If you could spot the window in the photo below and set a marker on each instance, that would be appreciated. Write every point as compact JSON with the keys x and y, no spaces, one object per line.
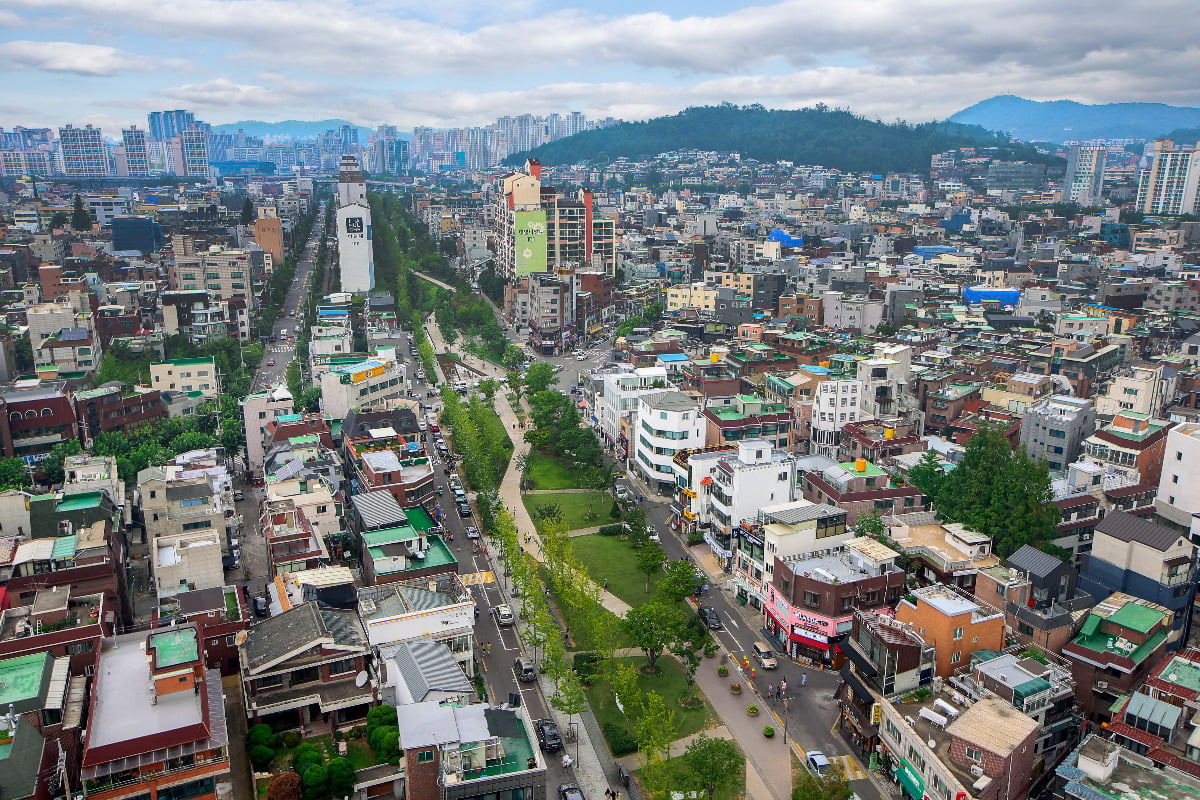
{"x":958,"y":633}
{"x":341,"y":667}
{"x":956,"y":657}
{"x":973,"y":754}
{"x":424,"y":757}
{"x":812,"y":599}
{"x":76,"y":648}
{"x":1178,"y":456}
{"x":1025,"y":629}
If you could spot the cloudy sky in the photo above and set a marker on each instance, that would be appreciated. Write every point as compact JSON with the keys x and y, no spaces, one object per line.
{"x":416,"y":62}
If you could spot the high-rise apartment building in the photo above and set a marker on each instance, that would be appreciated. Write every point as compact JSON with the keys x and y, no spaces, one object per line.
{"x":356,"y":254}
{"x":189,"y":153}
{"x":84,"y":154}
{"x":1085,"y":174}
{"x":1171,"y":184}
{"x":135,"y":156}
{"x":166,"y":125}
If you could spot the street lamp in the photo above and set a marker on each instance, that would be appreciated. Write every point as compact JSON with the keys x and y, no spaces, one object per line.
{"x":785,"y":721}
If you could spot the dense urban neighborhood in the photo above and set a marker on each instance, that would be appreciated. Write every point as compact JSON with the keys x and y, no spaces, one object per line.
{"x":491,"y":463}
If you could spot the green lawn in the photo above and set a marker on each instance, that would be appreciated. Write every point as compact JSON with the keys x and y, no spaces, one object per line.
{"x":548,"y":472}
{"x":580,"y":637}
{"x":671,"y":683}
{"x":575,"y":507}
{"x":613,"y":559}
{"x":681,"y":783}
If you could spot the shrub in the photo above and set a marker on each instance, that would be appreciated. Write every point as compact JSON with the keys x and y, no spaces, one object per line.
{"x":619,"y":742}
{"x":316,"y":782}
{"x":338,"y":736}
{"x":723,"y":671}
{"x":290,"y":739}
{"x":381,"y":715}
{"x":768,"y":731}
{"x":341,"y":776}
{"x":262,"y":735}
{"x":610,"y":530}
{"x":752,"y":708}
{"x":586,"y":665}
{"x":261,"y":757}
{"x":694,"y":538}
{"x":306,"y":756}
{"x":284,"y":786}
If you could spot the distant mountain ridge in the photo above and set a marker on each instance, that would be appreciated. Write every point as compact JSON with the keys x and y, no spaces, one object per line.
{"x":1061,"y":120}
{"x":293,"y":128}
{"x":831,"y":138}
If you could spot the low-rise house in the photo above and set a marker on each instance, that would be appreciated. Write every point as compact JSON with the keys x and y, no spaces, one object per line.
{"x":437,"y":610}
{"x":859,"y":486}
{"x":953,"y":623}
{"x":1100,"y":768}
{"x":305,"y":663}
{"x":948,"y":553}
{"x":1121,"y":640}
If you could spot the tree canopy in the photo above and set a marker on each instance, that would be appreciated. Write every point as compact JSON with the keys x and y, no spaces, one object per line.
{"x":995,"y":490}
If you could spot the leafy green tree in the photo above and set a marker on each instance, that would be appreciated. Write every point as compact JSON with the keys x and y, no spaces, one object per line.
{"x":295,"y":380}
{"x":538,"y":378}
{"x":60,"y":219}
{"x":713,"y":764}
{"x":261,"y":757}
{"x":310,"y":399}
{"x":679,"y":581}
{"x":487,"y":388}
{"x":832,"y":785}
{"x":247,"y":215}
{"x":650,"y":560}
{"x":928,"y":476}
{"x":652,"y":628}
{"x":13,"y":474}
{"x":341,"y":775}
{"x":316,"y":782}
{"x":513,"y":357}
{"x":51,"y":467}
{"x":654,"y":730}
{"x":81,"y":219}
{"x":870,"y":523}
{"x":22,"y":350}
{"x":626,"y":691}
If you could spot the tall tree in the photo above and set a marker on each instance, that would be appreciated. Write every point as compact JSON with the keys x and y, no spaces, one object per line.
{"x":650,"y":560}
{"x":247,"y":212}
{"x":713,"y":764}
{"x":832,"y":785}
{"x":652,"y":627}
{"x":81,"y":219}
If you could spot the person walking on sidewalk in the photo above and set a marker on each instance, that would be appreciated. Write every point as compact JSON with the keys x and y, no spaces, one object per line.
{"x":771,"y":690}
{"x":782,"y":690}
{"x":804,"y":680}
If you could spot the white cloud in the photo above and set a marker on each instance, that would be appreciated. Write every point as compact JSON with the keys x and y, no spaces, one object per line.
{"x":70,"y":57}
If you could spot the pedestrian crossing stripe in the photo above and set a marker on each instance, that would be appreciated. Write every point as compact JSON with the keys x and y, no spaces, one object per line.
{"x":478,"y":578}
{"x":850,"y":767}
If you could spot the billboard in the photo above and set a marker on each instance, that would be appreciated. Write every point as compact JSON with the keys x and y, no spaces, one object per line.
{"x":529,"y":242}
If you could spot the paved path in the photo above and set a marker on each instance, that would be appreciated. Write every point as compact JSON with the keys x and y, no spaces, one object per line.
{"x":559,"y":491}
{"x":434,"y":281}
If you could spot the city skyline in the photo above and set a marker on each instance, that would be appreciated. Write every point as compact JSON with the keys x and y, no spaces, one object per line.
{"x":69,"y":61}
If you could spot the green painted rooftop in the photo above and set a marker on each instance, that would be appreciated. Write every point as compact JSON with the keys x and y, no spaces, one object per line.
{"x":437,"y":555}
{"x":174,"y":647}
{"x":389,"y":535}
{"x":1136,"y":617}
{"x":419,"y":518}
{"x":75,"y":502}
{"x":1183,"y":672}
{"x":21,"y":678}
{"x":870,"y":470}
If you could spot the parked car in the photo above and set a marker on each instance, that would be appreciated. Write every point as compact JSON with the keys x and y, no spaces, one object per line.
{"x":816,"y":762}
{"x":504,"y":616}
{"x":764,"y":655}
{"x":569,"y":791}
{"x":261,"y":609}
{"x":229,"y":562}
{"x":524,"y":669}
{"x":710,"y":617}
{"x":271,"y":362}
{"x":622,"y":493}
{"x":239,"y":495}
{"x":464,"y":509}
{"x":547,"y":735}
{"x":472,"y":531}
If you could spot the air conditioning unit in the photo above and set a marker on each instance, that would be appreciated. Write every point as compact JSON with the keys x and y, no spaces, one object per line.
{"x":976,"y":771}
{"x":1101,"y":684}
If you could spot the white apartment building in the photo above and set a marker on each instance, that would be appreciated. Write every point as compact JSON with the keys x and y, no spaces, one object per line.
{"x":134,"y":157}
{"x":667,"y":422}
{"x":732,"y":485}
{"x":258,"y":409}
{"x":841,"y":310}
{"x":1178,"y":497}
{"x":372,"y":383}
{"x":186,"y":375}
{"x":1085,"y":174}
{"x":186,"y":562}
{"x":440,"y":610}
{"x":836,"y":403}
{"x":330,"y":340}
{"x":1172,"y":183}
{"x":223,"y":273}
{"x":881,"y":376}
{"x":47,"y":319}
{"x":619,"y":395}
{"x":83,"y":151}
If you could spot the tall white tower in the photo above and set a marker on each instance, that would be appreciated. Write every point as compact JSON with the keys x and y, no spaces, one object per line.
{"x":356,"y":255}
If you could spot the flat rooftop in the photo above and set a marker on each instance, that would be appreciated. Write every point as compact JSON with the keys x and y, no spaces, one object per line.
{"x":946,"y":600}
{"x":1134,"y":777}
{"x":124,"y":694}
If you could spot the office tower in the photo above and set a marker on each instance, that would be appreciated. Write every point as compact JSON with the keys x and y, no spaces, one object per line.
{"x":1085,"y":174}
{"x":355,"y":250}
{"x":137,"y":155}
{"x":84,"y":154}
{"x":166,"y":125}
{"x":1170,"y":185}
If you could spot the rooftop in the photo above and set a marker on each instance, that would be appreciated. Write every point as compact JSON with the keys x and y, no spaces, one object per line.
{"x":174,"y":647}
{"x":22,"y":678}
{"x":1133,"y":777}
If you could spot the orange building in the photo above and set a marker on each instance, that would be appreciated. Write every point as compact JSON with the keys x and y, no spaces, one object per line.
{"x":952,"y":622}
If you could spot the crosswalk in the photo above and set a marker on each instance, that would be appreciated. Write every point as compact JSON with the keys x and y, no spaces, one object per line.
{"x":850,"y":767}
{"x":477,"y":578}
{"x":279,"y":348}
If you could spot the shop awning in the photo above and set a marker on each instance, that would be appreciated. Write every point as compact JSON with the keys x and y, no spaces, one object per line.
{"x":813,"y":643}
{"x":860,"y":689}
{"x":910,"y":780}
{"x":860,"y":661}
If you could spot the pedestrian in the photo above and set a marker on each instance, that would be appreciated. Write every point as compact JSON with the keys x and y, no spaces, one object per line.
{"x":608,"y":793}
{"x":771,"y":690}
{"x":782,"y":689}
{"x":804,"y":680}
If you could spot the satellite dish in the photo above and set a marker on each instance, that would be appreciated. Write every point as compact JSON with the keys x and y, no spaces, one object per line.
{"x":360,"y":680}
{"x":241,"y":637}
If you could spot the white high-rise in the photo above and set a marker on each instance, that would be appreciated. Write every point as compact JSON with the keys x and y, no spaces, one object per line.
{"x":1085,"y":174}
{"x":1171,"y":184}
{"x":137,"y":154}
{"x":356,"y":254}
{"x":84,"y":154}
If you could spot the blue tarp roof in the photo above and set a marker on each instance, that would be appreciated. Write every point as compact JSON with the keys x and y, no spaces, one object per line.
{"x":672,"y":357}
{"x":785,"y":238}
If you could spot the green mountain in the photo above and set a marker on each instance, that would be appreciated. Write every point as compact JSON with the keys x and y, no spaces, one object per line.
{"x":1061,"y":120}
{"x":289,"y":128}
{"x":831,"y":138}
